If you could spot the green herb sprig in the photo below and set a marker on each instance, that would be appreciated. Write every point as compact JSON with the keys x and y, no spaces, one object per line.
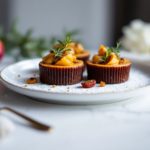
{"x":110,"y":50}
{"x":59,"y":51}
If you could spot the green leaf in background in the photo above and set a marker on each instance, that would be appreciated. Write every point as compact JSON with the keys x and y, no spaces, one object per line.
{"x":26,"y":44}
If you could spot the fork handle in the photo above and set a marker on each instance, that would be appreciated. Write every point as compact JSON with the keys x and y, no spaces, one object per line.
{"x":36,"y":124}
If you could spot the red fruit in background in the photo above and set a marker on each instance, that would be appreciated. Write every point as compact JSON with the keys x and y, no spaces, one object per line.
{"x":1,"y":50}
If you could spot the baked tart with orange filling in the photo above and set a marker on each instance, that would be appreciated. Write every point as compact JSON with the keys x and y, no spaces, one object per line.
{"x":78,"y":49}
{"x":60,"y":66}
{"x":108,"y":66}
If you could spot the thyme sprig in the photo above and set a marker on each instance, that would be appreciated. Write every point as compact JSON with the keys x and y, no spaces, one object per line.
{"x":59,"y":51}
{"x":110,"y":50}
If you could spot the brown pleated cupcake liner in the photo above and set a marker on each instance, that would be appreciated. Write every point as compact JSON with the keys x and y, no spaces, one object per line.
{"x":60,"y":76}
{"x":110,"y":75}
{"x":85,"y":58}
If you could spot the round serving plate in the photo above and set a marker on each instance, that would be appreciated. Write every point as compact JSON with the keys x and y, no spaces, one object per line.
{"x":15,"y":75}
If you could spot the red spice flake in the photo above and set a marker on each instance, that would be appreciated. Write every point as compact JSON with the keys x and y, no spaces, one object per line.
{"x":88,"y":83}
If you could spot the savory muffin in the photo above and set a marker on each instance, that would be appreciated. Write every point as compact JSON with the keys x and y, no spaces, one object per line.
{"x":60,"y":66}
{"x":80,"y":51}
{"x":77,"y":48}
{"x":108,"y":66}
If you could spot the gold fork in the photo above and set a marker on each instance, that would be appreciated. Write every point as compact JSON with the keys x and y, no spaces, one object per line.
{"x":34,"y":123}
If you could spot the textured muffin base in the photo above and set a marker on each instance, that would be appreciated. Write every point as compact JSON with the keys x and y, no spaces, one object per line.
{"x":110,"y":75}
{"x":60,"y":75}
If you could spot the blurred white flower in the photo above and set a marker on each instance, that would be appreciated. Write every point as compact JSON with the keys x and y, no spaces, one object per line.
{"x":136,"y":37}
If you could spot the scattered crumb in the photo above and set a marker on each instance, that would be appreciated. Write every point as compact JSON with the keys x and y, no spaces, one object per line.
{"x":53,"y":86}
{"x":32,"y":80}
{"x":68,"y":89}
{"x":102,"y":84}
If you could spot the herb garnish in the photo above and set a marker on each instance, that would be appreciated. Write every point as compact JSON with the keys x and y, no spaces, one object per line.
{"x":110,"y":50}
{"x":59,"y":51}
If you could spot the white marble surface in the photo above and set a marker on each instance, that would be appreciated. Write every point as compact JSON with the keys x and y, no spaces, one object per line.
{"x":118,"y":126}
{"x":107,"y":127}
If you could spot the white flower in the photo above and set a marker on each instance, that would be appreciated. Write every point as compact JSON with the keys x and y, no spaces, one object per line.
{"x":136,"y":37}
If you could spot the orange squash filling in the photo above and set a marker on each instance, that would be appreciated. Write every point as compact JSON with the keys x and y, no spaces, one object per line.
{"x":67,"y":59}
{"x":107,"y":56}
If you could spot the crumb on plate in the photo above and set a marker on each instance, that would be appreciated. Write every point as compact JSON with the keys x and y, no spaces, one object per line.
{"x":53,"y":86}
{"x":102,"y":84}
{"x":32,"y":80}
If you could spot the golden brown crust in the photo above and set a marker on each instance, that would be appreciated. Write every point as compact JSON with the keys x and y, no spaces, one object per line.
{"x":76,"y":64}
{"x":125,"y":63}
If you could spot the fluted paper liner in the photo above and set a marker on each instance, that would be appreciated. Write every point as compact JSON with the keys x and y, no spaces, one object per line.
{"x":60,"y":75}
{"x":110,"y":75}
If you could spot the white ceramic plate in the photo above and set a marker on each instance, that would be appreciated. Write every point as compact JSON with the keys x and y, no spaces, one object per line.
{"x":14,"y":77}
